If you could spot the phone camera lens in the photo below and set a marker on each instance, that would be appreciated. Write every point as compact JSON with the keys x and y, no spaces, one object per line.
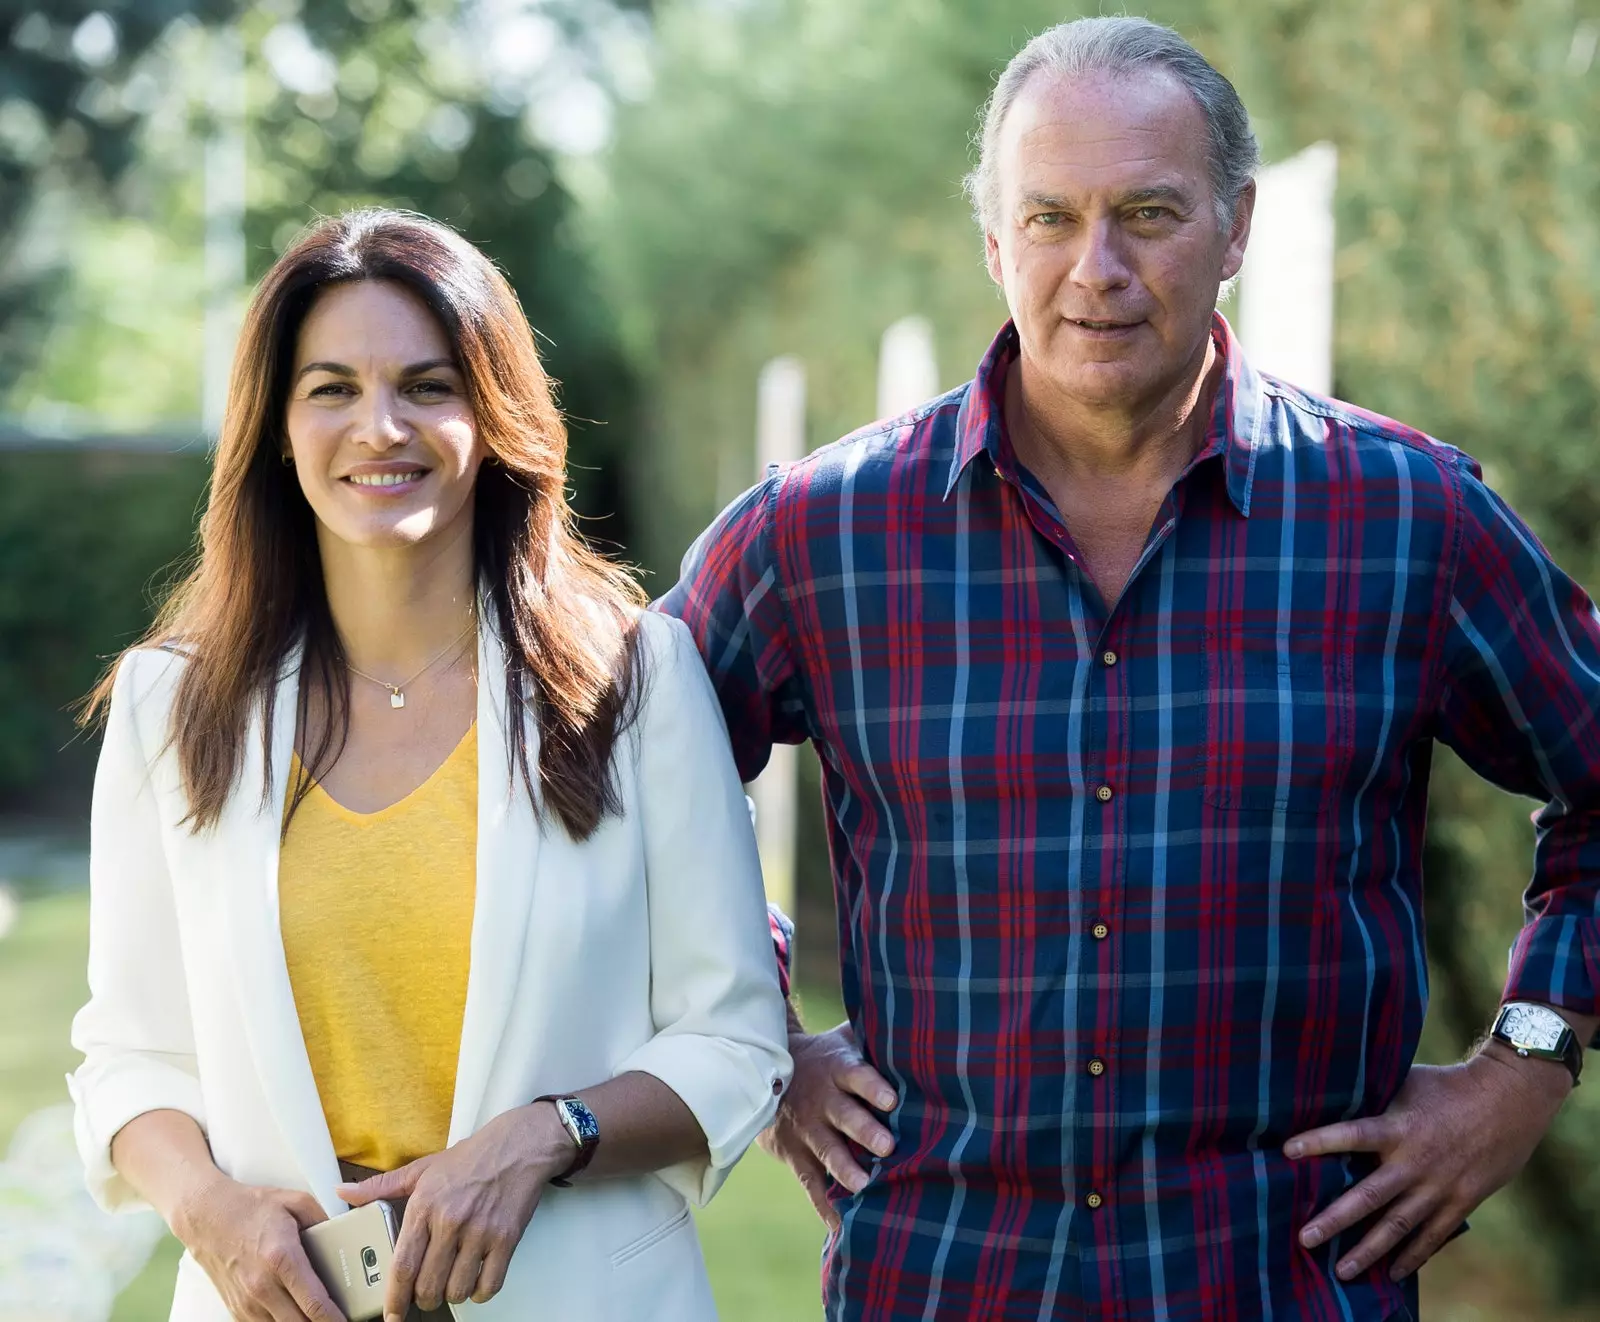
{"x":369,"y":1256}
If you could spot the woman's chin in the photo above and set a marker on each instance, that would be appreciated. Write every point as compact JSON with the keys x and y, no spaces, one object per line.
{"x":399,"y":533}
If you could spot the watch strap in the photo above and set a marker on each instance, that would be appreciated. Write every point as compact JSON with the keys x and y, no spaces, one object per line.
{"x":582,"y":1128}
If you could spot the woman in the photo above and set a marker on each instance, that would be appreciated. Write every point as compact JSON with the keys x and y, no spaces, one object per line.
{"x":406,"y":818}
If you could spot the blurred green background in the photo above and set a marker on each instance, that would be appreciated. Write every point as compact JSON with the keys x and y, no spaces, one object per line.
{"x":680,"y":191}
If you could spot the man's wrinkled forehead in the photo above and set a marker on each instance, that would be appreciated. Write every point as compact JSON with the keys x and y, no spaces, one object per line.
{"x":1121,"y":132}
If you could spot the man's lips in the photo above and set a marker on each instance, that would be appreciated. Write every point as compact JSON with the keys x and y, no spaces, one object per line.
{"x":1096,"y":324}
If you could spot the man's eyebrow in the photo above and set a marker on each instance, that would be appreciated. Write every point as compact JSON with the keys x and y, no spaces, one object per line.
{"x":1157,"y":193}
{"x":1139,"y":197}
{"x":1044,"y":201}
{"x":413,"y":369}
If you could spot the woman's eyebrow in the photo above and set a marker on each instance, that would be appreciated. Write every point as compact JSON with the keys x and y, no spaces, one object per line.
{"x":335,"y":369}
{"x":413,"y":369}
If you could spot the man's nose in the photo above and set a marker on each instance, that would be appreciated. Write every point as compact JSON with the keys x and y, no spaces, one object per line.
{"x":1099,"y":262}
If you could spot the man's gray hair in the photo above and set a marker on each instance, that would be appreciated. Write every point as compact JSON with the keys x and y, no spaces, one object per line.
{"x":1121,"y":46}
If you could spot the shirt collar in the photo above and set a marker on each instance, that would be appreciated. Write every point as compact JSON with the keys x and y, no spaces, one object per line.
{"x":1236,"y":415}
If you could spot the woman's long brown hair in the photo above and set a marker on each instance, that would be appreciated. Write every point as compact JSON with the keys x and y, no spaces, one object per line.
{"x":565,"y":613}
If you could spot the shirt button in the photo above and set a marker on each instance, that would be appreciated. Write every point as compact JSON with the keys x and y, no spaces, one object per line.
{"x":1109,"y":657}
{"x":1093,"y":1201}
{"x":1100,"y":931}
{"x":1097,"y":1067}
{"x":1103,"y":794}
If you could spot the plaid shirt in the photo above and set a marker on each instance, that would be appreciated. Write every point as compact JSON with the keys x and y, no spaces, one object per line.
{"x":1127,"y":898}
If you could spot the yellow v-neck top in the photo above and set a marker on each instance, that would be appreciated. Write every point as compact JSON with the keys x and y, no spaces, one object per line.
{"x":376,"y":915}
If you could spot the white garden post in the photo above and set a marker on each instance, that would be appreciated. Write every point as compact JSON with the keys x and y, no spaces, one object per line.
{"x":1286,"y":287}
{"x":780,"y":439}
{"x":908,"y":373}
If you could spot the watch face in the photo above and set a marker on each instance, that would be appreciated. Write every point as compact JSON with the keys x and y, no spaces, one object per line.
{"x":1533,"y":1027}
{"x":588,"y":1127}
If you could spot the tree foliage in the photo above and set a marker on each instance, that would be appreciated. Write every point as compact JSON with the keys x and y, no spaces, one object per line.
{"x":69,"y":117}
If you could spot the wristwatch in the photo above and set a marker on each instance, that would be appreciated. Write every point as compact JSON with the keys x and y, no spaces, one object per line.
{"x":584,"y":1129}
{"x":1538,"y":1031}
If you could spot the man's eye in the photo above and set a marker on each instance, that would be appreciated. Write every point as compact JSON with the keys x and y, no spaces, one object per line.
{"x":1150,"y":213}
{"x":1050,"y":219}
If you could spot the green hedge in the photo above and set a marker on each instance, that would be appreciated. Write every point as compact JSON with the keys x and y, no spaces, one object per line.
{"x":88,"y":536}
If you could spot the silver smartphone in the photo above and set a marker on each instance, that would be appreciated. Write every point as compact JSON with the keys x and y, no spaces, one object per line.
{"x":351,"y":1254}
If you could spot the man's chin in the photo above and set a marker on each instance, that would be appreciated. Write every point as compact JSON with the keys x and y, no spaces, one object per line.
{"x":1103,"y":384}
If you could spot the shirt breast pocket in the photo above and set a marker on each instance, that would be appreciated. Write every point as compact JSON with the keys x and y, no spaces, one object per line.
{"x":1279,"y":718}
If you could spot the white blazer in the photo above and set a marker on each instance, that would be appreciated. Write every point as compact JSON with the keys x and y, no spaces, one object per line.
{"x":646,"y":947}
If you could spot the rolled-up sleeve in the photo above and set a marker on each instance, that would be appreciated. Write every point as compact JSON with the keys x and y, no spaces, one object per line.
{"x":135,"y":1032}
{"x":720,"y":1040}
{"x":1521,"y":704}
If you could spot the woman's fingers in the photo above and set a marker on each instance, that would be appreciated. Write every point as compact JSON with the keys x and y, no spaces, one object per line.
{"x":409,"y":1252}
{"x":398,"y":1183}
{"x":434,"y":1273}
{"x":305,"y":1209}
{"x":309,"y":1297}
{"x":464,"y":1272}
{"x":493,"y":1275}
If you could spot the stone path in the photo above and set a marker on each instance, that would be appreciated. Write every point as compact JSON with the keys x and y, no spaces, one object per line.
{"x":61,"y":1258}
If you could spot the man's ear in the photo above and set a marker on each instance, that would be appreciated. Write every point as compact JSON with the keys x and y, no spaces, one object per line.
{"x":991,"y":258}
{"x":1239,"y":234}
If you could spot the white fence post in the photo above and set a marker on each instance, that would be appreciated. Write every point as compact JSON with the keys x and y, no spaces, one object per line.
{"x":908,"y":372}
{"x":780,"y":438}
{"x":1286,"y":287}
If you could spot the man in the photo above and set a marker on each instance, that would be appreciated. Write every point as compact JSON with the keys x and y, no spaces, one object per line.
{"x":1123,"y":664}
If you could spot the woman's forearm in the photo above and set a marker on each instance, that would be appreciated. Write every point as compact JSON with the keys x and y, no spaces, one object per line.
{"x":165,"y":1157}
{"x":644,"y":1126}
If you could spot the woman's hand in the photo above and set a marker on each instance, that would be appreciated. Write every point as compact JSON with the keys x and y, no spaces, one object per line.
{"x":468,"y":1208}
{"x":247,"y":1239}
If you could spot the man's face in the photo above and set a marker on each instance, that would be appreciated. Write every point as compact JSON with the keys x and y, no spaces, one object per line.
{"x":1106,"y":241}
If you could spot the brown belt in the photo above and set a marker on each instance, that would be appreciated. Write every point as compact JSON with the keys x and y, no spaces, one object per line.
{"x":352,"y":1173}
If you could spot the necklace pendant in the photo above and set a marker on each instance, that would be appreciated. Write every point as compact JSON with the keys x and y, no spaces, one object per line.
{"x":396,"y":698}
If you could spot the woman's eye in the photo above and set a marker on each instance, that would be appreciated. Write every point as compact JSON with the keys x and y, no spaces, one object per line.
{"x":330,"y":390}
{"x":433,"y":389}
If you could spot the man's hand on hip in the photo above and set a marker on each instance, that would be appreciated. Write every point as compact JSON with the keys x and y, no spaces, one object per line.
{"x":1452,"y":1136}
{"x":823,"y":1112}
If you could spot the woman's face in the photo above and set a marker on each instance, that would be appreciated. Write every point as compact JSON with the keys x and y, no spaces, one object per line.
{"x":380,"y":430}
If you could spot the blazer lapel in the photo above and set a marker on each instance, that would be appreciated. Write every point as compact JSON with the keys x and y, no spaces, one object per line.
{"x":249,"y":835}
{"x":508,"y":851}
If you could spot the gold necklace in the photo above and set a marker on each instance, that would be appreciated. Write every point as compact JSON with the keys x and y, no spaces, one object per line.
{"x":397,"y":698}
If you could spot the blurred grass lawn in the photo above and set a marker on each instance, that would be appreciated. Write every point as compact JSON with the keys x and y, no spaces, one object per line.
{"x":761,"y":1237}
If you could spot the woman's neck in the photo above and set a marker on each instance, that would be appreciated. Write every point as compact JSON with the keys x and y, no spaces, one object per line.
{"x":396,"y":607}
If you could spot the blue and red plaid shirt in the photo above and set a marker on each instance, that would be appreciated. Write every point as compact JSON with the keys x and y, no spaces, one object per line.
{"x":1127,"y":898}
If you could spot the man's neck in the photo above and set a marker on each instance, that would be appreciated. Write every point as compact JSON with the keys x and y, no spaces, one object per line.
{"x":396,"y":607}
{"x":1062,"y":439}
